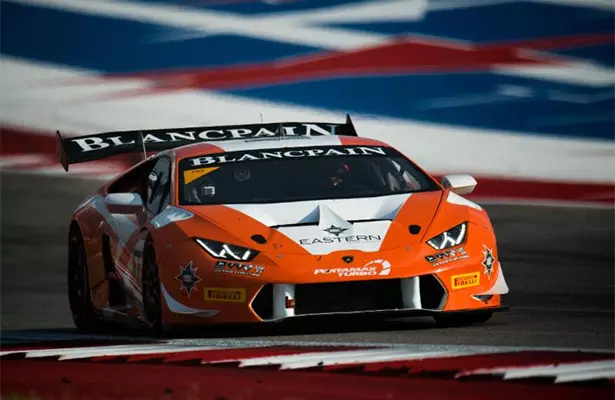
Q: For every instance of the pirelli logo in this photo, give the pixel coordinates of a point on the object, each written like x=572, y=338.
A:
x=225, y=295
x=465, y=280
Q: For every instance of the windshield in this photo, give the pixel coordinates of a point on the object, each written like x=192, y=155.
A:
x=296, y=174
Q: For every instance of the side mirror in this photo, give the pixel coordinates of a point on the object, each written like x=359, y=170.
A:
x=124, y=203
x=460, y=184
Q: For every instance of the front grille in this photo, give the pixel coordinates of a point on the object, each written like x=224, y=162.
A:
x=383, y=294
x=348, y=296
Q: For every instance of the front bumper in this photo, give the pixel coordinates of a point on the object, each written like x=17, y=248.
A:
x=422, y=295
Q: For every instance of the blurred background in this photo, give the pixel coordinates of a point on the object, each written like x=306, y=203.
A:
x=518, y=93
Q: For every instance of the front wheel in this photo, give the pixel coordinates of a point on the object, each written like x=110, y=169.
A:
x=79, y=296
x=462, y=319
x=150, y=287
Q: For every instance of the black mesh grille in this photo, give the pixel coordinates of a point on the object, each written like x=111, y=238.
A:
x=314, y=298
x=432, y=292
x=348, y=296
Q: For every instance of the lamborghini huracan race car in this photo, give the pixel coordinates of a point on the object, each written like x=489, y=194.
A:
x=270, y=222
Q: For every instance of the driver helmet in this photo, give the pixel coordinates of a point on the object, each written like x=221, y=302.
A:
x=339, y=172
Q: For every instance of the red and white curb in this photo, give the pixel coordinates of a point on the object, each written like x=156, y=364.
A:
x=561, y=366
x=250, y=370
x=565, y=372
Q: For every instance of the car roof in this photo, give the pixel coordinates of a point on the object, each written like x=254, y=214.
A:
x=224, y=146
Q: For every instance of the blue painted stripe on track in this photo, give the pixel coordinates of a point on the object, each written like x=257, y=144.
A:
x=500, y=22
x=603, y=55
x=116, y=45
x=416, y=96
x=252, y=7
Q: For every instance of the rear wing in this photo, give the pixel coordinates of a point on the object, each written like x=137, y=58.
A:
x=102, y=145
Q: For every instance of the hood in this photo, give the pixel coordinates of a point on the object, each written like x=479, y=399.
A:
x=324, y=226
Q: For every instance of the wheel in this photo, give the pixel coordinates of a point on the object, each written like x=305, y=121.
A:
x=150, y=286
x=79, y=296
x=461, y=319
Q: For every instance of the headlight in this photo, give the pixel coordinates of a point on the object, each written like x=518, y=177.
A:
x=225, y=251
x=453, y=237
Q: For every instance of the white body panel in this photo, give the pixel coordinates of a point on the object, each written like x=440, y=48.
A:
x=330, y=225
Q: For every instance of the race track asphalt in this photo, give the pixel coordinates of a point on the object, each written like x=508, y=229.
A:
x=559, y=264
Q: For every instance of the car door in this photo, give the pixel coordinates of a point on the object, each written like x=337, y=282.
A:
x=127, y=232
x=158, y=197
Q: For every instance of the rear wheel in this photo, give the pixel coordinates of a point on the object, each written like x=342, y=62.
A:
x=462, y=319
x=79, y=296
x=150, y=286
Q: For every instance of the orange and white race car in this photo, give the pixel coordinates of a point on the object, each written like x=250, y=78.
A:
x=270, y=222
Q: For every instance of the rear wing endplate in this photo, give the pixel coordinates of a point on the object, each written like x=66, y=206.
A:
x=72, y=150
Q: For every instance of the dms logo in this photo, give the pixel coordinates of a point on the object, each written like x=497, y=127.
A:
x=447, y=256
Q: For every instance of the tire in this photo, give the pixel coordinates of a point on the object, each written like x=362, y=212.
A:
x=150, y=287
x=79, y=296
x=463, y=319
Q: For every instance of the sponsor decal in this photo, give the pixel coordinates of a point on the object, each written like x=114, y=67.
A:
x=194, y=174
x=465, y=280
x=385, y=266
x=201, y=134
x=188, y=279
x=335, y=230
x=447, y=256
x=372, y=268
x=225, y=295
x=274, y=154
x=342, y=239
x=488, y=261
x=229, y=267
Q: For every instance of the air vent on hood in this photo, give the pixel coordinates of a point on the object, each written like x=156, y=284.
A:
x=260, y=239
x=414, y=229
